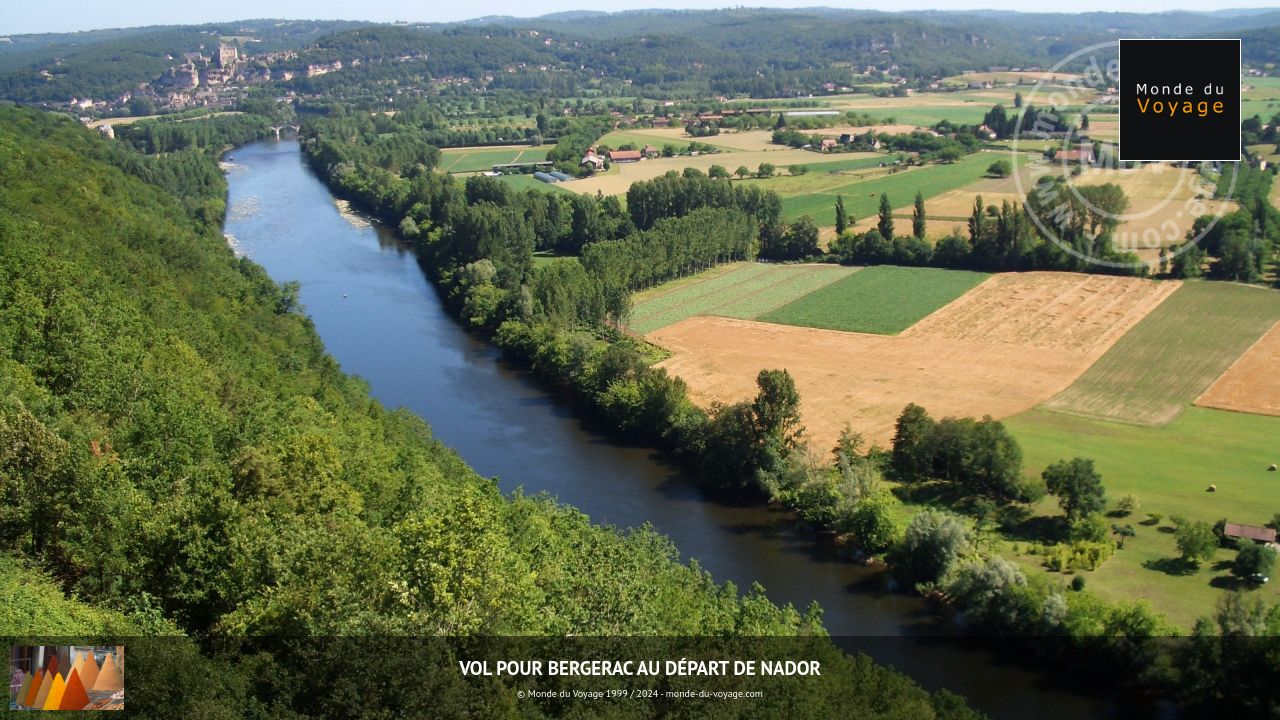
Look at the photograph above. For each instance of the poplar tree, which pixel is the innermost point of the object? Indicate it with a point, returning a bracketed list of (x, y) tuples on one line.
[(886, 218), (917, 219)]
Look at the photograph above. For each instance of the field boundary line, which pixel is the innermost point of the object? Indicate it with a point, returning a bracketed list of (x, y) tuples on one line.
[(1275, 328), (781, 281), (704, 281)]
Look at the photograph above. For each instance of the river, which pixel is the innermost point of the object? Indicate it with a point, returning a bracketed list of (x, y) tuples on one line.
[(382, 320)]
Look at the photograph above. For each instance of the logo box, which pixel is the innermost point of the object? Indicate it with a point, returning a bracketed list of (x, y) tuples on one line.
[(1158, 78)]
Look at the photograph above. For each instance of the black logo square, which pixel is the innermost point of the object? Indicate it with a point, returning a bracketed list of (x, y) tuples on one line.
[(1180, 100)]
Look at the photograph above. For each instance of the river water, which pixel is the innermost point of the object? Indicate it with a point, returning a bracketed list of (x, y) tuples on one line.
[(382, 320)]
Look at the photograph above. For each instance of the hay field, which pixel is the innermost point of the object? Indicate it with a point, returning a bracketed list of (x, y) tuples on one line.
[(885, 299), (622, 175), (862, 197), (1006, 349), (476, 159), (658, 137), (1049, 310), (746, 291), (1252, 383), (1104, 127), (1173, 355)]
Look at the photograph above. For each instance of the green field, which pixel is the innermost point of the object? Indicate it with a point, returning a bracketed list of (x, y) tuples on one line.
[(1169, 469), (546, 257), (743, 290), (862, 198), (930, 115), (618, 138), (885, 299), (1261, 88), (824, 177), (1264, 109), (840, 162), (1172, 355), (460, 160)]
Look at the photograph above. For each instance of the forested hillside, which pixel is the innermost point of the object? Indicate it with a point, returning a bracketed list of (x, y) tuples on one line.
[(178, 451), (743, 51)]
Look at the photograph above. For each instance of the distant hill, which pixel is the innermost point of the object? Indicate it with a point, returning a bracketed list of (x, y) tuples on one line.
[(688, 52)]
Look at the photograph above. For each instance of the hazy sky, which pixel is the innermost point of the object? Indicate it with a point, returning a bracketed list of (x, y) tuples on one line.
[(28, 16)]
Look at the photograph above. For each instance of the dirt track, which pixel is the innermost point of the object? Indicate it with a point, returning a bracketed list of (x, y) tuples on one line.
[(1252, 383), (1003, 348)]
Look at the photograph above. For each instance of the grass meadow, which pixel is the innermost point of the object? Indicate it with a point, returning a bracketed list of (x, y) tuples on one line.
[(477, 159), (1169, 469), (743, 290), (862, 197), (885, 299)]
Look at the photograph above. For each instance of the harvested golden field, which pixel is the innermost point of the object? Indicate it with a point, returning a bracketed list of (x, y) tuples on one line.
[(1163, 204), (1104, 127), (1252, 383), (1050, 310), (1004, 347), (934, 227)]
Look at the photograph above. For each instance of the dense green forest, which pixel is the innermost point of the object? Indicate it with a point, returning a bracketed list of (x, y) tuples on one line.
[(179, 455)]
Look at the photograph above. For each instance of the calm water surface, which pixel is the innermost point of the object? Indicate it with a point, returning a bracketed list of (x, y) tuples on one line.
[(383, 321)]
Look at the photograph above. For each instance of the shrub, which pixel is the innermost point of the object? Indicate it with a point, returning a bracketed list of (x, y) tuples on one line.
[(999, 169), (1253, 560), (1196, 541), (1220, 530), (816, 500), (871, 525), (1127, 505), (934, 541), (1091, 528), (1077, 583), (1081, 555)]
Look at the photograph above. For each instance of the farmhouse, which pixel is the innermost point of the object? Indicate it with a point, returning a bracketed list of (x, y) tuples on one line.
[(1083, 155), (624, 156), (591, 158), (1264, 535), (828, 144), (650, 151)]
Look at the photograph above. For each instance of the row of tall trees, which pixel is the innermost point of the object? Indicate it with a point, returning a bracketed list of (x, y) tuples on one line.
[(999, 238), (675, 195)]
